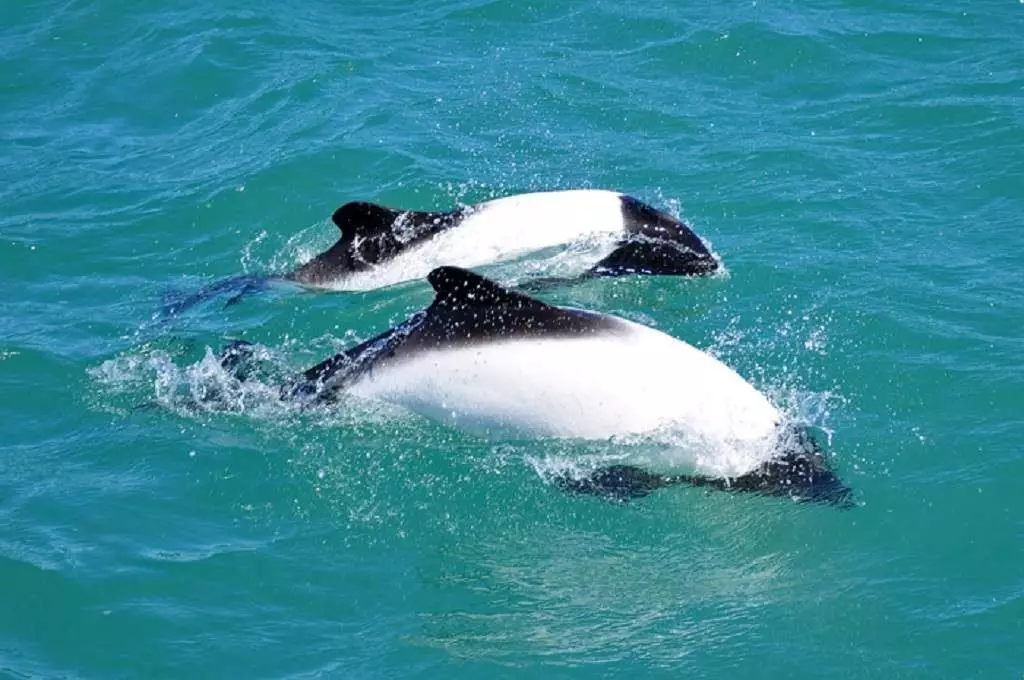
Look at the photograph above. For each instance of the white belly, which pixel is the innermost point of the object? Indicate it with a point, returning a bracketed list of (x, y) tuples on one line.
[(640, 382), (505, 229)]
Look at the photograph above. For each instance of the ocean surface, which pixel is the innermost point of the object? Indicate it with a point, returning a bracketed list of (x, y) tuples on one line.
[(858, 167)]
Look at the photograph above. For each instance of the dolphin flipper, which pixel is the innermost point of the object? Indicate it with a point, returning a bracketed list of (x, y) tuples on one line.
[(802, 477), (655, 243), (616, 482), (236, 359), (643, 256)]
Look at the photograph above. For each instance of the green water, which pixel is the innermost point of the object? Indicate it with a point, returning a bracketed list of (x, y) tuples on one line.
[(857, 166)]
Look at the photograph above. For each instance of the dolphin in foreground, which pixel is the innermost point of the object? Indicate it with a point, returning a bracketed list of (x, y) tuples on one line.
[(500, 363), (380, 246)]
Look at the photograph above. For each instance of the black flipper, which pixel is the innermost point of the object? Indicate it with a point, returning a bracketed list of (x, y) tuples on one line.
[(236, 359), (654, 257), (616, 482), (799, 471), (372, 234), (799, 477), (655, 243)]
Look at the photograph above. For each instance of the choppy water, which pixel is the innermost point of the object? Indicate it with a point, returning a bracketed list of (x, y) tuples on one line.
[(858, 166)]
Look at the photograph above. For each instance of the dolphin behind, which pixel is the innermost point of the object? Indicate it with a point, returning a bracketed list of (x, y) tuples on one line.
[(380, 246)]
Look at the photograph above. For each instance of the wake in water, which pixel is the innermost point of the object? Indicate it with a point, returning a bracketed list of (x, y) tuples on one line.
[(153, 378)]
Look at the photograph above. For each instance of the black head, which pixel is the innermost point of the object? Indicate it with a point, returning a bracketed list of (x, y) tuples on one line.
[(655, 243), (800, 471)]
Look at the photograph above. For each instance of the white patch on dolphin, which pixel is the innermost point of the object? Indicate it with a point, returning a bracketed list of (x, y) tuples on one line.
[(628, 381)]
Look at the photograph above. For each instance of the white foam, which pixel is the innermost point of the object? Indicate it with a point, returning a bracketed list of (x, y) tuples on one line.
[(203, 386)]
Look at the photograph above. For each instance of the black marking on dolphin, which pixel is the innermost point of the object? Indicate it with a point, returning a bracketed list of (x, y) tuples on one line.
[(467, 308)]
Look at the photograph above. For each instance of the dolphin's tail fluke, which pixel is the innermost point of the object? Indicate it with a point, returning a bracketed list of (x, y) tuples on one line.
[(234, 288)]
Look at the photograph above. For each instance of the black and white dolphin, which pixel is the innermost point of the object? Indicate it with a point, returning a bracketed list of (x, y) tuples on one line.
[(497, 362), (381, 246)]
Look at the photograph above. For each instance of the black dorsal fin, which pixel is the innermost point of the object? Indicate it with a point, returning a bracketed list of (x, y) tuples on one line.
[(362, 218), (370, 235), (460, 287), (470, 308)]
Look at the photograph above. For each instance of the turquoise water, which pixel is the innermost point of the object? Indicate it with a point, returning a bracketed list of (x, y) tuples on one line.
[(857, 166)]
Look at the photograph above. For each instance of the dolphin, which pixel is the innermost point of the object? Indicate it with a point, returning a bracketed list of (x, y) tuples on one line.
[(381, 246), (499, 363)]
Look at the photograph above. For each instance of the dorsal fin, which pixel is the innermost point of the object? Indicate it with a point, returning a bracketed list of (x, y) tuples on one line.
[(455, 286), (362, 218), (370, 235)]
